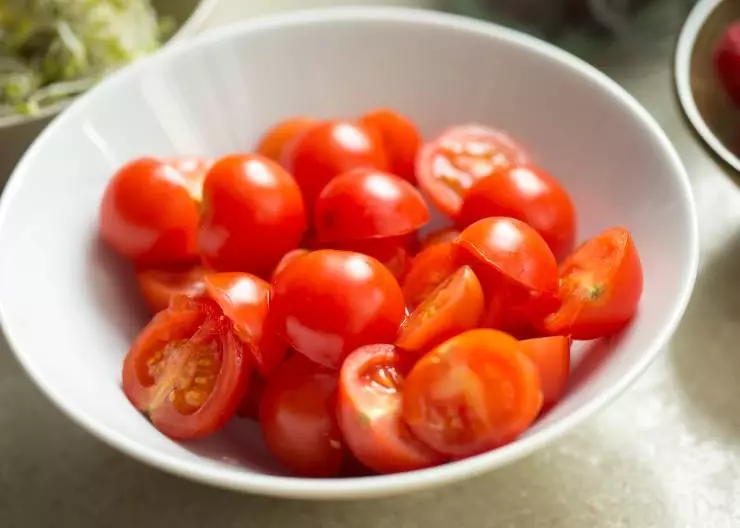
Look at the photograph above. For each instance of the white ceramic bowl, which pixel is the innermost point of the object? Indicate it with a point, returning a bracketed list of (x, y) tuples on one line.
[(68, 306)]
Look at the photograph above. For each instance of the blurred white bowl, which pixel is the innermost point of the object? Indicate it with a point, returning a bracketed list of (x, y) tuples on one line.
[(66, 303)]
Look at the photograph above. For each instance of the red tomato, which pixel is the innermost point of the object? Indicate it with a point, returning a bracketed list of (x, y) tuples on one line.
[(194, 169), (249, 407), (449, 166), (328, 150), (726, 58), (298, 418), (474, 392), (401, 140), (529, 194), (395, 253), (252, 215), (276, 140), (429, 269), (551, 356), (134, 222), (454, 307), (601, 286), (159, 286), (365, 203), (289, 257), (369, 411), (186, 370), (329, 303), (447, 234), (245, 299)]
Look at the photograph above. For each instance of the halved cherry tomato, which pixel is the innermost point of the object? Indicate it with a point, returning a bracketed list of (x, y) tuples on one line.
[(186, 370), (449, 166), (369, 411), (250, 405), (367, 203), (245, 299), (401, 140), (252, 215), (134, 222), (454, 307), (298, 418), (289, 257), (474, 392), (529, 194), (429, 269), (447, 234), (395, 253), (159, 286), (328, 150), (329, 303), (551, 356), (275, 141), (194, 168), (601, 286)]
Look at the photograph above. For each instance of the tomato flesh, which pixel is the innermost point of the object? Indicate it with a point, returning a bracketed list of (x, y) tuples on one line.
[(159, 286), (429, 269), (551, 357)]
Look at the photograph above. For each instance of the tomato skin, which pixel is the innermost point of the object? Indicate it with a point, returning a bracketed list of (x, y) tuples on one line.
[(253, 215), (274, 143), (395, 253), (194, 169), (447, 167), (298, 418), (447, 234), (328, 303), (183, 402), (601, 285), (289, 257), (134, 223), (527, 193), (473, 393), (401, 140), (366, 203), (429, 269), (328, 150), (245, 300), (159, 286), (454, 307), (369, 411), (551, 357)]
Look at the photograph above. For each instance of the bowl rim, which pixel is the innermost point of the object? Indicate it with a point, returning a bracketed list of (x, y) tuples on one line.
[(385, 485), (187, 29), (682, 83)]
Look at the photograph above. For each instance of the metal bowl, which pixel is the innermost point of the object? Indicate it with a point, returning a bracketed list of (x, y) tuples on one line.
[(17, 132), (709, 111)]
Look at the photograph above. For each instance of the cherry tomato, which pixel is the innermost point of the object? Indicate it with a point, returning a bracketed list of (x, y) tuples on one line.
[(474, 392), (601, 286), (159, 286), (449, 166), (194, 169), (298, 418), (186, 370), (276, 140), (365, 203), (329, 303), (529, 194), (134, 222), (369, 411), (289, 257), (429, 269), (245, 299), (401, 140), (328, 150), (447, 234), (454, 307), (726, 58), (249, 407), (252, 215), (395, 253), (551, 356)]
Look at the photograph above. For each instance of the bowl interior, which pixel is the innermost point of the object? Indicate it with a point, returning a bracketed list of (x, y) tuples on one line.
[(70, 309)]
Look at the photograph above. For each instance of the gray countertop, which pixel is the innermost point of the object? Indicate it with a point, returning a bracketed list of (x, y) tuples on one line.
[(666, 454)]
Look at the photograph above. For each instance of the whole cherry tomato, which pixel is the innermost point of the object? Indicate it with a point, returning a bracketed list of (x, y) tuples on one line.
[(551, 356), (245, 299), (369, 411), (159, 286), (252, 215), (449, 166), (454, 307), (136, 224), (274, 142), (328, 150), (366, 203), (329, 303), (601, 286), (186, 370), (401, 140), (529, 194), (473, 393), (298, 418)]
